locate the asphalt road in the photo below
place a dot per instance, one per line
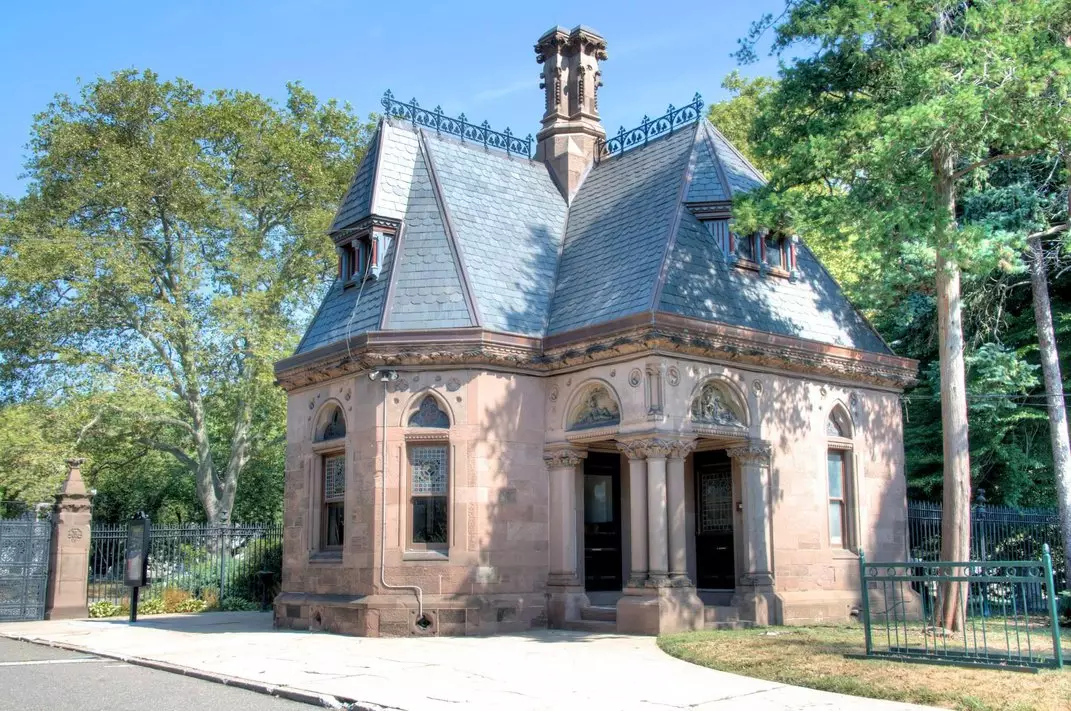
(33, 677)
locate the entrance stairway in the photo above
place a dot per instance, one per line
(595, 618)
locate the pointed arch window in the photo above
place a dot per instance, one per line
(429, 479)
(330, 482)
(841, 491)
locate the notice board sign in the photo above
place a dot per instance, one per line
(136, 568)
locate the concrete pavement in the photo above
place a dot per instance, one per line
(542, 670)
(35, 678)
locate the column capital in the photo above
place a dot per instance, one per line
(649, 448)
(564, 457)
(682, 448)
(753, 451)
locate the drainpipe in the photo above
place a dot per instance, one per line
(422, 622)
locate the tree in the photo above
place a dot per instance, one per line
(169, 248)
(893, 105)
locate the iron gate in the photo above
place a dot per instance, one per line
(24, 542)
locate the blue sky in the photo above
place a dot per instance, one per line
(472, 57)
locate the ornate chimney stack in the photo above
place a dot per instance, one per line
(571, 80)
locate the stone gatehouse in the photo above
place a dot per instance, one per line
(551, 385)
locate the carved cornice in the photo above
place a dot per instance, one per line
(644, 333)
(564, 457)
(755, 451)
(682, 448)
(580, 39)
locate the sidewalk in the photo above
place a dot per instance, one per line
(543, 670)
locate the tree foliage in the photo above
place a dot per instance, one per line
(170, 247)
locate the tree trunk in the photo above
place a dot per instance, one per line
(1054, 389)
(956, 515)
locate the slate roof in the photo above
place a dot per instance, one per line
(488, 240)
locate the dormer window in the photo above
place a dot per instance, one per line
(764, 252)
(360, 258)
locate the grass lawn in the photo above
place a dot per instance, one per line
(814, 657)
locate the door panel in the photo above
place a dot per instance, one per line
(715, 560)
(602, 521)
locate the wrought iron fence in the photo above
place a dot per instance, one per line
(997, 533)
(995, 623)
(25, 533)
(210, 563)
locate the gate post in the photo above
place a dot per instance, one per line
(68, 560)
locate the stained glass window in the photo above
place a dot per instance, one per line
(334, 519)
(428, 487)
(715, 501)
(335, 427)
(429, 415)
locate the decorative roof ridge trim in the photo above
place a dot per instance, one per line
(451, 233)
(648, 129)
(675, 223)
(460, 126)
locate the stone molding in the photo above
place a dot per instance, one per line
(755, 451)
(682, 448)
(558, 458)
(662, 333)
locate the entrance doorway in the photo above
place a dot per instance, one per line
(715, 565)
(602, 521)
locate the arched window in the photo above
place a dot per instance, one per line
(334, 427)
(839, 478)
(330, 446)
(715, 405)
(429, 481)
(429, 414)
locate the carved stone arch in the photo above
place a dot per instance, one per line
(839, 422)
(594, 404)
(717, 401)
(330, 422)
(419, 407)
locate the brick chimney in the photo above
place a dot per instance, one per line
(571, 79)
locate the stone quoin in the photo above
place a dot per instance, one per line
(551, 385)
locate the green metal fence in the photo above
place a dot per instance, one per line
(998, 623)
(210, 563)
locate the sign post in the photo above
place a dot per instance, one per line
(138, 532)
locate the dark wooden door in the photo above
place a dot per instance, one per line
(602, 521)
(715, 566)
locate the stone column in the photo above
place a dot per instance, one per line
(659, 606)
(754, 593)
(637, 481)
(657, 515)
(565, 590)
(678, 546)
(68, 561)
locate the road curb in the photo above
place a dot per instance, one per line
(283, 692)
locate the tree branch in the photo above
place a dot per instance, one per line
(171, 449)
(993, 159)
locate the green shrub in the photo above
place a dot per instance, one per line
(191, 605)
(1063, 606)
(237, 604)
(152, 606)
(104, 608)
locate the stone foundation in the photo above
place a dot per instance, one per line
(397, 615)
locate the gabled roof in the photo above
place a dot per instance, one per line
(488, 240)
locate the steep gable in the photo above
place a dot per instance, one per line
(619, 223)
(508, 218)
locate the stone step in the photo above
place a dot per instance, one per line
(604, 613)
(729, 625)
(595, 626)
(720, 613)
